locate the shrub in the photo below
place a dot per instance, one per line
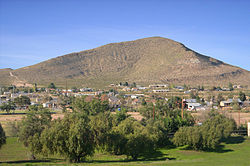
(2, 136)
(207, 136)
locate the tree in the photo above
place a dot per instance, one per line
(31, 128)
(70, 137)
(235, 105)
(219, 98)
(22, 101)
(101, 125)
(133, 85)
(143, 102)
(90, 108)
(47, 98)
(185, 87)
(74, 89)
(130, 138)
(192, 95)
(8, 106)
(35, 87)
(2, 136)
(52, 86)
(230, 86)
(242, 96)
(207, 136)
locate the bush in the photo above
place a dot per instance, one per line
(13, 129)
(31, 128)
(130, 138)
(207, 136)
(70, 137)
(2, 136)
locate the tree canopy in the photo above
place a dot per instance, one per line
(2, 136)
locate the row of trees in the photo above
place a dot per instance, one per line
(22, 101)
(91, 126)
(207, 136)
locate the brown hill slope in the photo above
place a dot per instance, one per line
(145, 61)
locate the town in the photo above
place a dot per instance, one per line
(128, 95)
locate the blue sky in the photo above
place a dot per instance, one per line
(32, 31)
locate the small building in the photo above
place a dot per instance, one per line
(160, 90)
(158, 86)
(228, 102)
(114, 102)
(193, 106)
(179, 88)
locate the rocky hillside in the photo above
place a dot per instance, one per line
(145, 61)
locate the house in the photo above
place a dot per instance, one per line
(179, 87)
(237, 87)
(142, 88)
(86, 90)
(228, 102)
(50, 104)
(136, 101)
(126, 89)
(160, 90)
(193, 106)
(190, 101)
(246, 103)
(134, 97)
(114, 102)
(158, 86)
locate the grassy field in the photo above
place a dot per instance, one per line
(234, 152)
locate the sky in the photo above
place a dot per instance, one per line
(32, 31)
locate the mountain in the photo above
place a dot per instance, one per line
(144, 61)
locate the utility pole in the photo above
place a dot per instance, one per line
(153, 111)
(66, 88)
(239, 117)
(182, 107)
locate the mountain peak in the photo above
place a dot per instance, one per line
(144, 61)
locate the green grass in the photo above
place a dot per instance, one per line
(234, 152)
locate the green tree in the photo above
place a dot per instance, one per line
(35, 87)
(90, 108)
(2, 136)
(219, 98)
(70, 137)
(133, 85)
(134, 141)
(101, 125)
(192, 95)
(185, 87)
(242, 96)
(126, 84)
(31, 128)
(22, 101)
(207, 136)
(235, 105)
(74, 89)
(8, 106)
(52, 86)
(230, 86)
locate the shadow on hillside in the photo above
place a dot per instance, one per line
(156, 156)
